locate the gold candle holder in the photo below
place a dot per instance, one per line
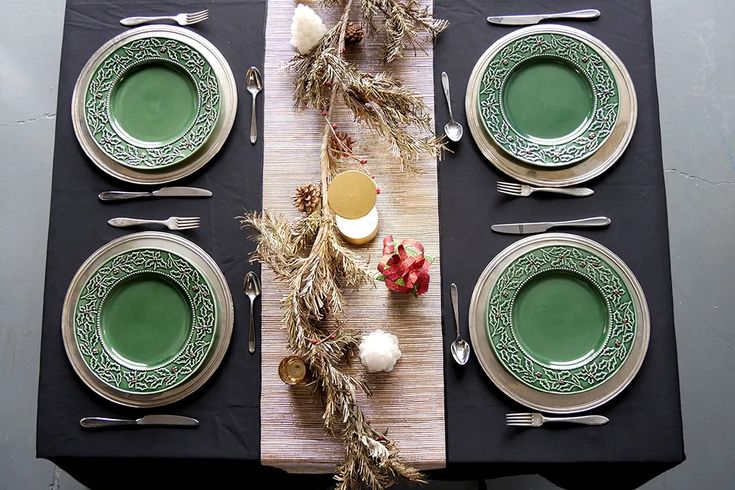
(352, 194)
(292, 370)
(359, 231)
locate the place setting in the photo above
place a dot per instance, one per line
(551, 106)
(557, 321)
(154, 104)
(148, 317)
(350, 282)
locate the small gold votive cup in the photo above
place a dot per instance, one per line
(292, 370)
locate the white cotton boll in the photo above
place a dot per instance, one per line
(379, 351)
(307, 29)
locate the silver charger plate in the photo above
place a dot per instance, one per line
(575, 174)
(223, 300)
(558, 403)
(228, 107)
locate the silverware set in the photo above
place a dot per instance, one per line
(174, 223)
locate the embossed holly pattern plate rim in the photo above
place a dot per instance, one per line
(583, 56)
(596, 369)
(596, 164)
(561, 403)
(134, 54)
(221, 295)
(91, 300)
(223, 126)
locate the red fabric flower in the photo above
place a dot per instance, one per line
(404, 272)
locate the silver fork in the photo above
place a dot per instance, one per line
(183, 19)
(537, 420)
(523, 190)
(172, 223)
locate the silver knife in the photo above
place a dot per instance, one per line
(147, 420)
(163, 192)
(528, 20)
(531, 228)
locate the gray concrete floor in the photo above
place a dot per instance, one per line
(696, 69)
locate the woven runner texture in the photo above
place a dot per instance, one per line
(409, 401)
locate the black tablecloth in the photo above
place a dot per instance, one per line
(644, 436)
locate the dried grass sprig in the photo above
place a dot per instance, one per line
(404, 22)
(381, 468)
(389, 109)
(385, 106)
(372, 460)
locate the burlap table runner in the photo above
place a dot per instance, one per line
(410, 400)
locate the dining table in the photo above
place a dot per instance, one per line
(644, 437)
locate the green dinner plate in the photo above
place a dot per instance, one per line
(561, 319)
(145, 321)
(548, 99)
(152, 103)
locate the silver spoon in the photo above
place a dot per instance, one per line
(252, 290)
(452, 129)
(460, 348)
(255, 85)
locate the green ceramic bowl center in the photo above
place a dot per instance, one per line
(154, 103)
(547, 98)
(146, 320)
(560, 319)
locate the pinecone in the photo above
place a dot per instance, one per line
(341, 143)
(354, 33)
(308, 197)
